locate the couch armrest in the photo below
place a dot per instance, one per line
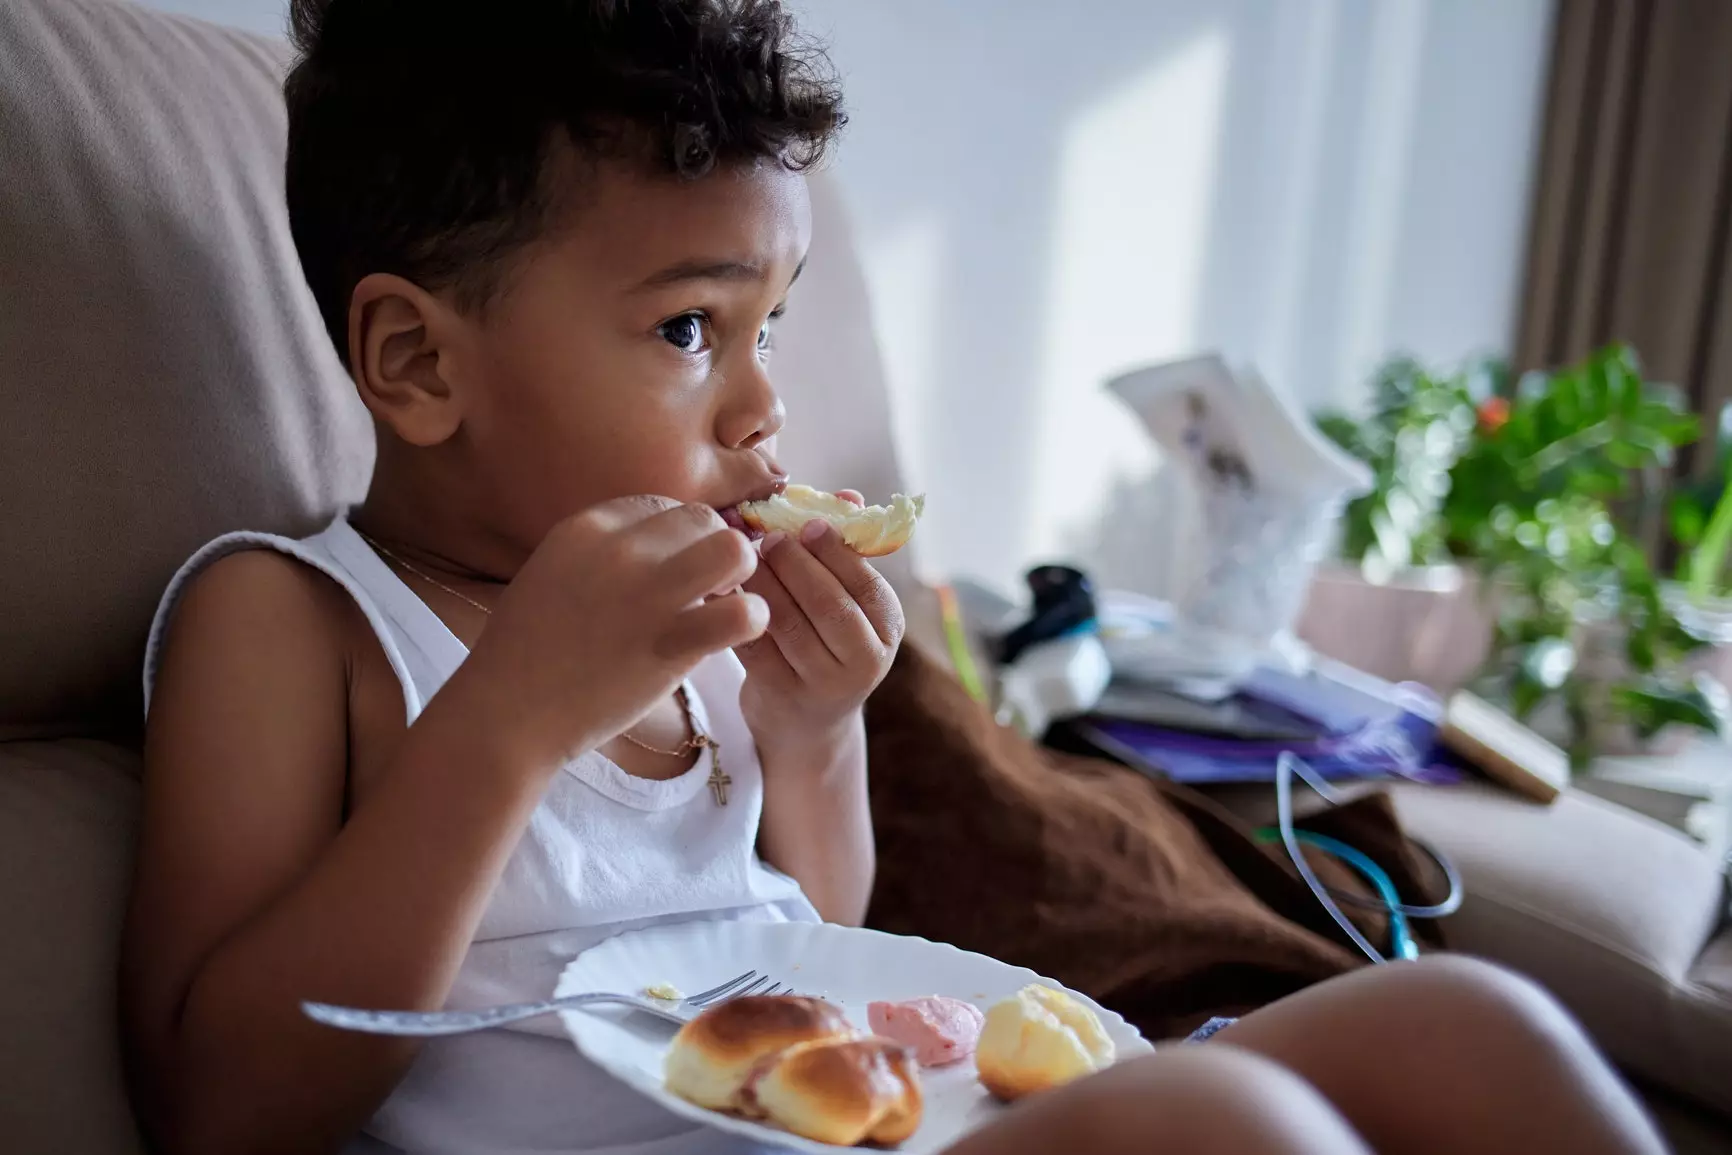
(1609, 910)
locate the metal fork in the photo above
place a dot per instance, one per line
(431, 1023)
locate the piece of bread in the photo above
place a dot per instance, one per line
(713, 1056)
(862, 1090)
(1037, 1039)
(872, 531)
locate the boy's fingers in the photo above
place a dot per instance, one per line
(622, 512)
(647, 527)
(790, 631)
(851, 496)
(829, 606)
(714, 564)
(718, 624)
(865, 585)
(762, 658)
(669, 530)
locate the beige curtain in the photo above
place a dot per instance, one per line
(1629, 236)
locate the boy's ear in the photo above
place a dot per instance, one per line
(402, 346)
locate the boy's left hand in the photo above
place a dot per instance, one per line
(834, 627)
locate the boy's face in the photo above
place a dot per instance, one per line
(628, 351)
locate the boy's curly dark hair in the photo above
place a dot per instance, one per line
(420, 130)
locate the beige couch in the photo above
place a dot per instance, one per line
(163, 377)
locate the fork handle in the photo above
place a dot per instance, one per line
(430, 1024)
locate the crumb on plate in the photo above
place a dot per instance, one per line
(665, 992)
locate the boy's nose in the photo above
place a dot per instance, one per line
(755, 412)
(767, 428)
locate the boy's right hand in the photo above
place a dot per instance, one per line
(603, 621)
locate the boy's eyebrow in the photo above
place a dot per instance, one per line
(712, 270)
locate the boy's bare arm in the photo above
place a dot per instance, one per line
(253, 892)
(817, 823)
(253, 895)
(834, 627)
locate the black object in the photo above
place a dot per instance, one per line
(1063, 600)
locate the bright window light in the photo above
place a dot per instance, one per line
(1136, 182)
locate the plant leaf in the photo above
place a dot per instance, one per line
(1650, 705)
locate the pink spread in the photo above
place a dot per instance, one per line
(940, 1030)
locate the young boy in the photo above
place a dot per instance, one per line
(535, 690)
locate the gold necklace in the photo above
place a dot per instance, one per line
(698, 741)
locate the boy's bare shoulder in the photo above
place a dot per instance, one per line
(270, 588)
(263, 613)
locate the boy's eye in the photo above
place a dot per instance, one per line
(765, 340)
(684, 332)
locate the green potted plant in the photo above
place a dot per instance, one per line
(1545, 487)
(1398, 603)
(1701, 522)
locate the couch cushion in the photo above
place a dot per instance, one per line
(1709, 989)
(1608, 909)
(163, 373)
(66, 821)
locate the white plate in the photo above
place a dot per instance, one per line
(847, 966)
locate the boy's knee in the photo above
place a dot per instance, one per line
(1487, 998)
(1208, 1099)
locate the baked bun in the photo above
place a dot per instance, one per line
(713, 1056)
(872, 531)
(1037, 1039)
(861, 1090)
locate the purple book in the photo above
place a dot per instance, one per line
(1403, 746)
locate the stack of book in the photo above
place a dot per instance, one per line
(1345, 724)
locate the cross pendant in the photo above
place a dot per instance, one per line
(718, 781)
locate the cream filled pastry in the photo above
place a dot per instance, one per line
(1037, 1039)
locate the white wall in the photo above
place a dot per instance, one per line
(1047, 192)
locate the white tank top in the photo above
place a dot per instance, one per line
(604, 852)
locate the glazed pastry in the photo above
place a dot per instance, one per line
(862, 1090)
(715, 1054)
(1037, 1039)
(872, 531)
(940, 1030)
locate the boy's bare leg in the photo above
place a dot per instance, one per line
(1197, 1100)
(1450, 1055)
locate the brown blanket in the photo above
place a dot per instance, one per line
(1143, 894)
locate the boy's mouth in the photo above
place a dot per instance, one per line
(731, 513)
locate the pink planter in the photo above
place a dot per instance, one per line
(1425, 625)
(1430, 626)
